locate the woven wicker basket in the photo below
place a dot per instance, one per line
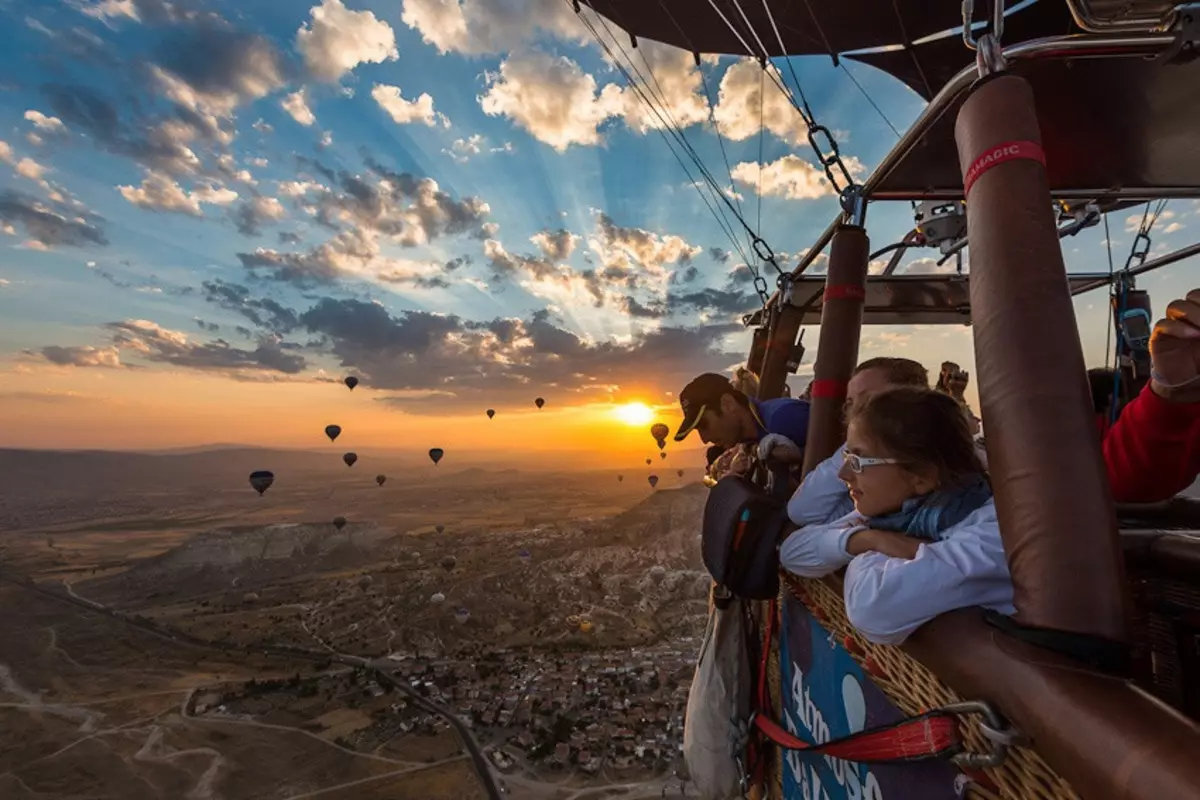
(913, 689)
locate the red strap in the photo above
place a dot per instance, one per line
(827, 387)
(1005, 151)
(845, 291)
(932, 735)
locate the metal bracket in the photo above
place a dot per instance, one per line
(999, 732)
(854, 206)
(1186, 29)
(941, 223)
(796, 355)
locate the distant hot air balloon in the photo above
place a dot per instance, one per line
(573, 619)
(649, 461)
(657, 573)
(333, 431)
(663, 456)
(620, 478)
(438, 598)
(491, 412)
(339, 522)
(653, 481)
(659, 431)
(448, 563)
(440, 528)
(461, 615)
(381, 479)
(679, 473)
(585, 625)
(525, 556)
(261, 480)
(539, 402)
(436, 454)
(351, 382)
(350, 458)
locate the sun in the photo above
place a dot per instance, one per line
(634, 414)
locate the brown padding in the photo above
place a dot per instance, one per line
(1106, 737)
(758, 351)
(785, 327)
(1052, 496)
(837, 350)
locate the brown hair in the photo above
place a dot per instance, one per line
(921, 426)
(900, 371)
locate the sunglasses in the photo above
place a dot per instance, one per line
(858, 463)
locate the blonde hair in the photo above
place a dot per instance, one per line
(745, 382)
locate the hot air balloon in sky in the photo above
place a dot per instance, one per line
(620, 478)
(381, 479)
(350, 458)
(525, 556)
(261, 480)
(440, 528)
(438, 598)
(662, 456)
(659, 431)
(351, 382)
(491, 412)
(653, 479)
(649, 461)
(539, 402)
(436, 454)
(585, 625)
(448, 563)
(679, 473)
(339, 522)
(333, 431)
(461, 615)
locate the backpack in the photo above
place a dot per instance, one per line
(743, 526)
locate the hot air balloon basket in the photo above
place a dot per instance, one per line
(913, 689)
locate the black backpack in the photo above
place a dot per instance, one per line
(743, 527)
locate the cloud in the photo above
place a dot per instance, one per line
(160, 193)
(719, 254)
(263, 312)
(337, 40)
(153, 12)
(45, 123)
(623, 247)
(670, 78)
(502, 359)
(296, 104)
(30, 169)
(790, 176)
(157, 344)
(251, 215)
(489, 26)
(738, 106)
(82, 356)
(404, 111)
(556, 245)
(46, 227)
(463, 150)
(1173, 227)
(552, 98)
(288, 237)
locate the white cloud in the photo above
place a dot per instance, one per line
(258, 162)
(337, 40)
(159, 192)
(28, 168)
(110, 9)
(462, 149)
(552, 98)
(299, 188)
(296, 104)
(326, 140)
(6, 153)
(404, 111)
(45, 123)
(556, 245)
(490, 26)
(791, 177)
(34, 139)
(737, 109)
(673, 83)
(1174, 226)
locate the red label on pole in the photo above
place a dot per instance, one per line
(827, 387)
(845, 291)
(1007, 151)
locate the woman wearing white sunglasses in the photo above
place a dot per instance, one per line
(923, 537)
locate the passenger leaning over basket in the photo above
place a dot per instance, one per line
(922, 538)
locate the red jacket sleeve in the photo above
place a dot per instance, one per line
(1152, 452)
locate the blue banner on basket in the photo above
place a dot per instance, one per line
(826, 696)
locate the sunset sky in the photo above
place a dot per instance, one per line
(210, 212)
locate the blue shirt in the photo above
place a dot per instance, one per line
(786, 416)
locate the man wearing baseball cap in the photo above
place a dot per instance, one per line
(724, 416)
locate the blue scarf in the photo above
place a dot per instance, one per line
(931, 515)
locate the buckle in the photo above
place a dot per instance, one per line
(999, 732)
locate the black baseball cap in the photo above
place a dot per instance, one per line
(704, 392)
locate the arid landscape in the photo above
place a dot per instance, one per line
(465, 633)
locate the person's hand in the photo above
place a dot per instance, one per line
(778, 448)
(1175, 352)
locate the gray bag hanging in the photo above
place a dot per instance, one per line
(719, 704)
